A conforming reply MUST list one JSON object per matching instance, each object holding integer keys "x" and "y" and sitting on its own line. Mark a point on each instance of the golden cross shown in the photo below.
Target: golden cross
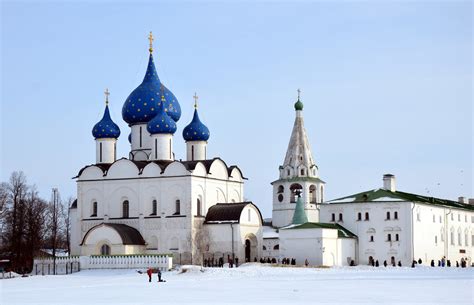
{"x": 195, "y": 100}
{"x": 299, "y": 92}
{"x": 107, "y": 93}
{"x": 150, "y": 38}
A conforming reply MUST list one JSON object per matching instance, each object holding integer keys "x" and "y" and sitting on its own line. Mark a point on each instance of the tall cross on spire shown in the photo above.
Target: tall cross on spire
{"x": 107, "y": 93}
{"x": 195, "y": 100}
{"x": 299, "y": 92}
{"x": 150, "y": 38}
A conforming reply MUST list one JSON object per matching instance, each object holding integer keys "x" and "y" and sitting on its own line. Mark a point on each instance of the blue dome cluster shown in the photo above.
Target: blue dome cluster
{"x": 142, "y": 104}
{"x": 196, "y": 130}
{"x": 106, "y": 128}
{"x": 162, "y": 123}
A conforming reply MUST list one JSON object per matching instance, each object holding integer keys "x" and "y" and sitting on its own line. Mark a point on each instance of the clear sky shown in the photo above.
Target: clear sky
{"x": 387, "y": 87}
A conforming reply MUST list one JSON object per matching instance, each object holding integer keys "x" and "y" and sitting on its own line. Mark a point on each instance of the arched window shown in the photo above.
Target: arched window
{"x": 281, "y": 189}
{"x": 359, "y": 216}
{"x": 396, "y": 237}
{"x": 389, "y": 237}
{"x": 452, "y": 237}
{"x": 264, "y": 248}
{"x": 340, "y": 217}
{"x": 94, "y": 209}
{"x": 388, "y": 215}
{"x": 198, "y": 207}
{"x": 333, "y": 217}
{"x": 395, "y": 215}
{"x": 296, "y": 190}
{"x": 302, "y": 172}
{"x": 322, "y": 193}
{"x": 154, "y": 207}
{"x": 276, "y": 247}
{"x": 366, "y": 215}
{"x": 125, "y": 209}
{"x": 177, "y": 207}
{"x": 105, "y": 250}
{"x": 371, "y": 238}
{"x": 312, "y": 193}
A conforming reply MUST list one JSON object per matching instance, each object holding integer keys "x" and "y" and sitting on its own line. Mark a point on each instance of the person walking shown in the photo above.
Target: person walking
{"x": 149, "y": 272}
{"x": 159, "y": 276}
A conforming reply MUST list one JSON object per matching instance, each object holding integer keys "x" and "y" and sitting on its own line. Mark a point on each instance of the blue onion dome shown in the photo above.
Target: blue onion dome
{"x": 106, "y": 128}
{"x": 196, "y": 130}
{"x": 162, "y": 123}
{"x": 141, "y": 104}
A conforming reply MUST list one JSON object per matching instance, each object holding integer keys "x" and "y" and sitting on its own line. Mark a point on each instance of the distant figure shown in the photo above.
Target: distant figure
{"x": 443, "y": 261}
{"x": 420, "y": 261}
{"x": 463, "y": 263}
{"x": 457, "y": 264}
{"x": 448, "y": 263}
{"x": 255, "y": 260}
{"x": 274, "y": 261}
{"x": 352, "y": 263}
{"x": 385, "y": 263}
{"x": 439, "y": 263}
{"x": 261, "y": 260}
{"x": 236, "y": 262}
{"x": 399, "y": 263}
{"x": 373, "y": 263}
{"x": 306, "y": 263}
{"x": 149, "y": 272}
{"x": 413, "y": 264}
{"x": 221, "y": 262}
{"x": 159, "y": 275}
{"x": 376, "y": 263}
{"x": 432, "y": 263}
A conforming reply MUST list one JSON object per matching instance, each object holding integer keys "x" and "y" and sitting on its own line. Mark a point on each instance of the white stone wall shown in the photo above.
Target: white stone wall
{"x": 270, "y": 251}
{"x": 377, "y": 226}
{"x": 321, "y": 247}
{"x": 162, "y": 147}
{"x": 442, "y": 231}
{"x": 105, "y": 151}
{"x": 196, "y": 150}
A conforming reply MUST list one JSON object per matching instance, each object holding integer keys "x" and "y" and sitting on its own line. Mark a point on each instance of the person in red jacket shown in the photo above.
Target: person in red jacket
{"x": 149, "y": 272}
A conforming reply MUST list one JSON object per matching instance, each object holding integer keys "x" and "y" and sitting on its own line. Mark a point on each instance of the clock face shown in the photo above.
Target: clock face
{"x": 280, "y": 197}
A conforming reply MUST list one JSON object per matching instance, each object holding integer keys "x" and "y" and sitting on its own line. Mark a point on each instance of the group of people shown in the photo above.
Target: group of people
{"x": 375, "y": 263}
{"x": 443, "y": 262}
{"x": 149, "y": 272}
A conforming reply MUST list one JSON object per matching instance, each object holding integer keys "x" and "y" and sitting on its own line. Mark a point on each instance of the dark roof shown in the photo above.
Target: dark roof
{"x": 189, "y": 165}
{"x": 74, "y": 204}
{"x": 341, "y": 231}
{"x": 383, "y": 195}
{"x": 129, "y": 235}
{"x": 227, "y": 212}
{"x": 297, "y": 179}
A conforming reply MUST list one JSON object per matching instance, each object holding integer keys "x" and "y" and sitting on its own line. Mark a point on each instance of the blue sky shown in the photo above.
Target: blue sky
{"x": 387, "y": 87}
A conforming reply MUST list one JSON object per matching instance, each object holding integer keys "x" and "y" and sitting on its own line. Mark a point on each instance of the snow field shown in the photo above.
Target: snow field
{"x": 248, "y": 284}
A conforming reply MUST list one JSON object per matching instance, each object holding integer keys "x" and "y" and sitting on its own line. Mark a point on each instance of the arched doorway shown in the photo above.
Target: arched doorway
{"x": 247, "y": 250}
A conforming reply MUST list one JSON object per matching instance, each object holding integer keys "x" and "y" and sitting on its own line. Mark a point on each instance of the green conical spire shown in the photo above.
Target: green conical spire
{"x": 300, "y": 215}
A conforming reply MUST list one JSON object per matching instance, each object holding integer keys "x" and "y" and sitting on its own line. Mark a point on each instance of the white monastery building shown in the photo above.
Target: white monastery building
{"x": 155, "y": 203}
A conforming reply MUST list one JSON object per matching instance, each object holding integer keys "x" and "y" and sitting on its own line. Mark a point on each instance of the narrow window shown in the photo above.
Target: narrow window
{"x": 388, "y": 215}
{"x": 389, "y": 237}
{"x": 198, "y": 207}
{"x": 333, "y": 217}
{"x": 100, "y": 152}
{"x": 288, "y": 172}
{"x": 472, "y": 240}
{"x": 366, "y": 215}
{"x": 436, "y": 239}
{"x": 371, "y": 238}
{"x": 105, "y": 250}
{"x": 156, "y": 149}
{"x": 459, "y": 239}
{"x": 452, "y": 216}
{"x": 205, "y": 152}
{"x": 452, "y": 238}
{"x": 192, "y": 152}
{"x": 459, "y": 217}
{"x": 94, "y": 209}
{"x": 264, "y": 248}
{"x": 465, "y": 218}
{"x": 248, "y": 214}
{"x": 322, "y": 194}
{"x": 312, "y": 194}
{"x": 395, "y": 215}
{"x": 434, "y": 218}
{"x": 418, "y": 216}
{"x": 115, "y": 151}
{"x": 302, "y": 172}
{"x": 125, "y": 209}
{"x": 140, "y": 136}
{"x": 396, "y": 237}
{"x": 466, "y": 240}
{"x": 359, "y": 216}
{"x": 340, "y": 216}
{"x": 440, "y": 219}
{"x": 170, "y": 150}
{"x": 154, "y": 207}
{"x": 177, "y": 207}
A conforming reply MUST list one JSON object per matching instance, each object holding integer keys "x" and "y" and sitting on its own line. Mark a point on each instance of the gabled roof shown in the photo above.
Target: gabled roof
{"x": 129, "y": 235}
{"x": 341, "y": 231}
{"x": 383, "y": 195}
{"x": 298, "y": 179}
{"x": 227, "y": 212}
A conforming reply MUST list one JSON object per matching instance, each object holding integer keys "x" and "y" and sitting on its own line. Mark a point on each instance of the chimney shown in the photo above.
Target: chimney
{"x": 462, "y": 199}
{"x": 471, "y": 201}
{"x": 389, "y": 182}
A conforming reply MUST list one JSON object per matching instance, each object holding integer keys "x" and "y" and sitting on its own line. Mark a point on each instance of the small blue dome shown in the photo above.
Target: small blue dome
{"x": 162, "y": 123}
{"x": 196, "y": 130}
{"x": 142, "y": 104}
{"x": 106, "y": 128}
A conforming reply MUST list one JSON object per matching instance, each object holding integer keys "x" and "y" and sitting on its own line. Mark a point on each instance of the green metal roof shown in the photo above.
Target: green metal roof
{"x": 383, "y": 195}
{"x": 299, "y": 217}
{"x": 298, "y": 179}
{"x": 342, "y": 232}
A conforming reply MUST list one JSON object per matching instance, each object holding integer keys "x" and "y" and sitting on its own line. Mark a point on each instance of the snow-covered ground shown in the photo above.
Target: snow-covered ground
{"x": 248, "y": 284}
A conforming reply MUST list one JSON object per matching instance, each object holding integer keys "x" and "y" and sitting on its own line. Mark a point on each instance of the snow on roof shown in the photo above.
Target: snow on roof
{"x": 270, "y": 232}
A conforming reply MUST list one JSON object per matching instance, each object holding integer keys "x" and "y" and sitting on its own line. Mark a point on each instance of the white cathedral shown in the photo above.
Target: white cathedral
{"x": 153, "y": 202}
